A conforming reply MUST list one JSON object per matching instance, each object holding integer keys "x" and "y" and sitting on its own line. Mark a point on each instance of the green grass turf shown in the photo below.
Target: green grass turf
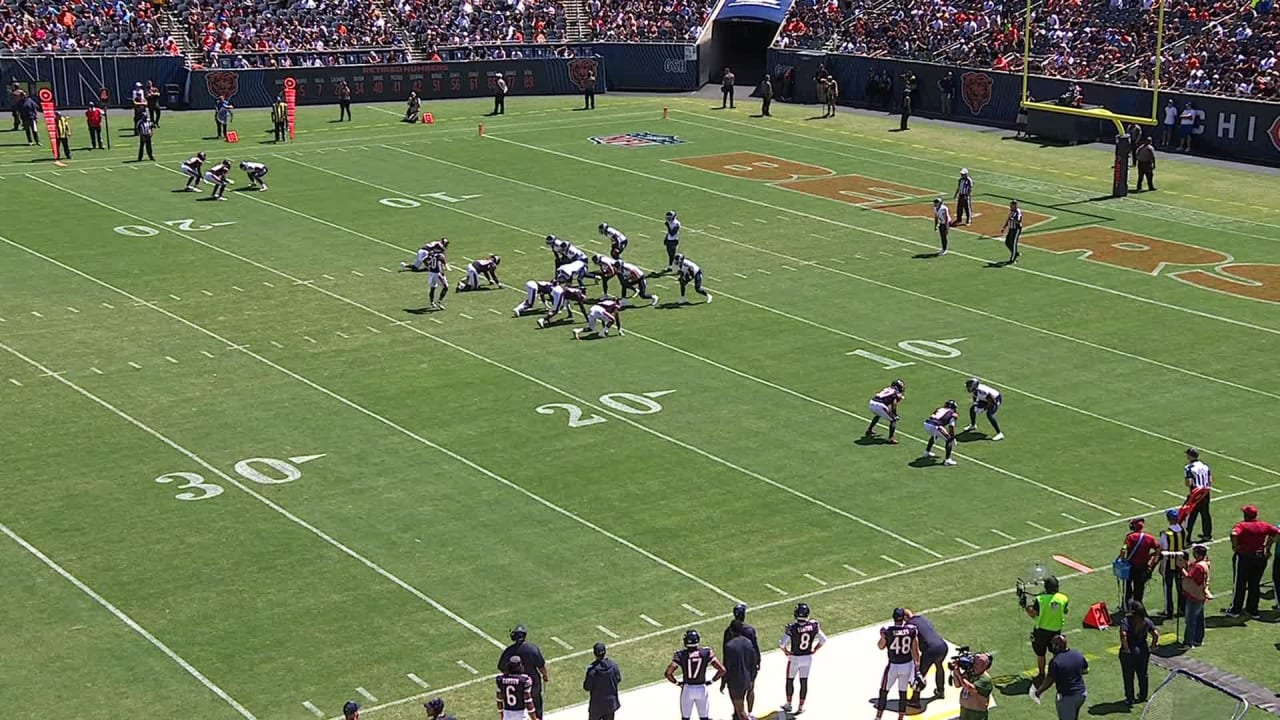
{"x": 446, "y": 509}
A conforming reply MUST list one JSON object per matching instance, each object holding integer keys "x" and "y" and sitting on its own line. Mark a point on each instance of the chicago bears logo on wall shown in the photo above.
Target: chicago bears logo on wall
{"x": 975, "y": 90}
{"x": 580, "y": 72}
{"x": 222, "y": 83}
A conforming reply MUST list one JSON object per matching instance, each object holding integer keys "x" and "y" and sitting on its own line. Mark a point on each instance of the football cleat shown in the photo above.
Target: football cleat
{"x": 691, "y": 638}
{"x": 948, "y": 461}
{"x": 892, "y": 441}
{"x": 708, "y": 299}
{"x": 998, "y": 436}
{"x": 801, "y": 611}
{"x": 542, "y": 323}
{"x": 684, "y": 301}
{"x": 928, "y": 455}
{"x": 970, "y": 428}
{"x": 655, "y": 301}
{"x": 577, "y": 333}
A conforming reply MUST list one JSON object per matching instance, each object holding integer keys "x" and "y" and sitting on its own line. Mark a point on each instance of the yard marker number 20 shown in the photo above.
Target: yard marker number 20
{"x": 630, "y": 403}
{"x": 263, "y": 471}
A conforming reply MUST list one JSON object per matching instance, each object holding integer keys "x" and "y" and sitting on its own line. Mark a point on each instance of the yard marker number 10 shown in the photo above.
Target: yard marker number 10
{"x": 263, "y": 471}
{"x": 940, "y": 349}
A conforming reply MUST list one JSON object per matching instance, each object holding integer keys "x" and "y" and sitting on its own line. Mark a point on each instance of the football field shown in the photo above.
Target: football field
{"x": 249, "y": 472}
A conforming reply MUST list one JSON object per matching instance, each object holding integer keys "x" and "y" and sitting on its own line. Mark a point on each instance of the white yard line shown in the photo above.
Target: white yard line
{"x": 854, "y": 570}
{"x": 776, "y": 589}
{"x": 1246, "y": 482}
{"x": 257, "y": 496}
{"x": 1038, "y": 526}
{"x": 1143, "y": 503}
{"x": 818, "y": 580}
{"x": 417, "y": 681}
{"x": 399, "y": 428}
{"x": 650, "y": 620}
{"x": 366, "y": 694}
{"x": 121, "y": 616}
{"x": 171, "y": 359}
{"x": 561, "y": 643}
{"x": 692, "y": 609}
{"x": 1073, "y": 518}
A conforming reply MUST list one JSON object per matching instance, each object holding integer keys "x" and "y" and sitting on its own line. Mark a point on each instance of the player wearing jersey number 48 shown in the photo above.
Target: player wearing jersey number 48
{"x": 801, "y": 639}
{"x": 884, "y": 406}
{"x": 692, "y": 661}
{"x": 987, "y": 399}
{"x": 941, "y": 425}
{"x": 901, "y": 642}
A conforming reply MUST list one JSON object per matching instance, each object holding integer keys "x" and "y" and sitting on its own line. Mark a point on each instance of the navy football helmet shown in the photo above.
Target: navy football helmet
{"x": 802, "y": 611}
{"x": 691, "y": 638}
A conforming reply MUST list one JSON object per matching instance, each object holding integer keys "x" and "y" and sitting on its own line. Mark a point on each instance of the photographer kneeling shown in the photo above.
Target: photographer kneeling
{"x": 969, "y": 673}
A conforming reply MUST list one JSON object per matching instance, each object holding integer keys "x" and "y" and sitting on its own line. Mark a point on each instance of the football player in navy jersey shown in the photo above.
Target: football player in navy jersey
{"x": 884, "y": 406}
{"x": 692, "y": 661}
{"x": 901, "y": 642}
{"x": 941, "y": 425}
{"x": 515, "y": 692}
{"x": 800, "y": 640}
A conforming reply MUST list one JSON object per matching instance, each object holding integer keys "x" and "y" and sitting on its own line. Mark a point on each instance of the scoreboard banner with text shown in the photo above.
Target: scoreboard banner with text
{"x": 384, "y": 83}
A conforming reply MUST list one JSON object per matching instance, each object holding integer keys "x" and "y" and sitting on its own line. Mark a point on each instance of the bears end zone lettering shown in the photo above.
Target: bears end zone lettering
{"x": 1108, "y": 246}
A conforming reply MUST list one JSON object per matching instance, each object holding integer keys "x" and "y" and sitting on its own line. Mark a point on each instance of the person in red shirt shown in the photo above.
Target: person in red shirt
{"x": 93, "y": 117}
{"x": 1251, "y": 539}
{"x": 1141, "y": 550}
{"x": 1195, "y": 592}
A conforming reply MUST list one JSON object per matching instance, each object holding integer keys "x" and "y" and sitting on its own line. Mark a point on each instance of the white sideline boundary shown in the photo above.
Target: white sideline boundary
{"x": 256, "y": 495}
{"x": 128, "y": 621}
{"x": 386, "y": 422}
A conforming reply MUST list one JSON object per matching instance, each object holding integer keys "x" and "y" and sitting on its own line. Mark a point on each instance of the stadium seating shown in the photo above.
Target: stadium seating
{"x": 445, "y": 23}
{"x": 90, "y": 26}
{"x": 648, "y": 20}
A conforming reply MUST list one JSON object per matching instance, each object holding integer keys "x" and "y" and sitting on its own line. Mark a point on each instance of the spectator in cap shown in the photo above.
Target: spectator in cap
{"x": 1195, "y": 593}
{"x": 601, "y": 684}
{"x": 435, "y": 709}
{"x": 351, "y": 711}
{"x": 1142, "y": 551}
{"x": 1251, "y": 539}
{"x": 1173, "y": 556}
{"x": 531, "y": 658}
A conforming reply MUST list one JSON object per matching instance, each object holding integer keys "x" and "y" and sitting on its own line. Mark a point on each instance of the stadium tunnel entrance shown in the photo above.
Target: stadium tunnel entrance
{"x": 743, "y": 45}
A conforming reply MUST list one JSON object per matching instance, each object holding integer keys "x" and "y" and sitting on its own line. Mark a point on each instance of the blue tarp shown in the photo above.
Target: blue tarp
{"x": 773, "y": 11}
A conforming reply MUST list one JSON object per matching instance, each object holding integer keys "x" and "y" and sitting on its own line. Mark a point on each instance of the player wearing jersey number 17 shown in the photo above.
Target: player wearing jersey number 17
{"x": 801, "y": 639}
{"x": 692, "y": 661}
{"x": 901, "y": 642}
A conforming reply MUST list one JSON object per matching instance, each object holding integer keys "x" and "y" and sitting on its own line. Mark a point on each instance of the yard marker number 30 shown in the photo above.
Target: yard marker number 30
{"x": 263, "y": 471}
{"x": 630, "y": 403}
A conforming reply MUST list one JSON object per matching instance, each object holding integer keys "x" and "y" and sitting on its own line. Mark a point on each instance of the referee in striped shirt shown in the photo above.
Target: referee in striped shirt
{"x": 964, "y": 191}
{"x": 1198, "y": 475}
{"x": 1012, "y": 231}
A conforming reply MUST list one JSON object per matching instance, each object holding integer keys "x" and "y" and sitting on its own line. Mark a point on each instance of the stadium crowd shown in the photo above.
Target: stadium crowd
{"x": 82, "y": 26}
{"x": 647, "y": 20}
{"x": 452, "y": 23}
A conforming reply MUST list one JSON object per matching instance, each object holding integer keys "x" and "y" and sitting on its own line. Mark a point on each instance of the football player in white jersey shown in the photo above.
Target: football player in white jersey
{"x": 193, "y": 168}
{"x": 606, "y": 268}
{"x": 561, "y": 297}
{"x": 256, "y": 171}
{"x": 534, "y": 290}
{"x": 571, "y": 272}
{"x": 985, "y": 398}
{"x": 633, "y": 278}
{"x": 617, "y": 241}
{"x": 688, "y": 271}
{"x": 672, "y": 239}
{"x": 608, "y": 313}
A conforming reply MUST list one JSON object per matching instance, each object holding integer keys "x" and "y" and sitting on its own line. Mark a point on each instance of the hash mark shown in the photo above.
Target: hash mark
{"x": 276, "y": 344}
{"x": 817, "y": 236}
{"x": 15, "y": 382}
{"x": 1143, "y": 503}
{"x": 495, "y": 312}
{"x": 309, "y": 339}
{"x": 714, "y": 227}
{"x": 463, "y": 664}
{"x": 171, "y": 359}
{"x": 762, "y": 222}
{"x": 1073, "y": 518}
{"x": 641, "y": 235}
{"x": 561, "y": 643}
{"x": 438, "y": 322}
{"x": 385, "y": 269}
{"x": 895, "y": 562}
{"x": 854, "y": 570}
{"x": 788, "y": 267}
{"x": 1246, "y": 482}
{"x": 744, "y": 277}
{"x": 108, "y": 306}
{"x": 650, "y": 620}
{"x": 95, "y": 371}
{"x": 608, "y": 632}
{"x": 33, "y": 312}
{"x": 134, "y": 365}
{"x": 1004, "y": 535}
{"x": 206, "y": 292}
{"x": 1038, "y": 526}
{"x": 175, "y": 297}
{"x": 782, "y": 217}
{"x": 776, "y": 589}
{"x": 326, "y": 277}
{"x": 73, "y": 310}
{"x": 366, "y": 694}
{"x": 837, "y": 260}
{"x": 465, "y": 316}
{"x": 735, "y": 222}
{"x": 693, "y": 609}
{"x": 206, "y": 353}
{"x": 766, "y": 272}
{"x": 237, "y": 289}
{"x": 314, "y": 710}
{"x": 373, "y": 329}
{"x": 264, "y": 282}
{"x": 343, "y": 335}
{"x": 417, "y": 681}
{"x": 357, "y": 273}
{"x": 966, "y": 543}
{"x": 818, "y": 580}
{"x": 521, "y": 252}
{"x": 1172, "y": 493}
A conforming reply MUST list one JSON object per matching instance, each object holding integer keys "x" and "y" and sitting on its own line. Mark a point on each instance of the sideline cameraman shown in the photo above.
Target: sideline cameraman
{"x": 1049, "y": 610}
{"x": 975, "y": 685}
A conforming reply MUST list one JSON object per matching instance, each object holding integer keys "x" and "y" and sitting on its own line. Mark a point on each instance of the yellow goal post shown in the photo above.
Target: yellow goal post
{"x": 1098, "y": 113}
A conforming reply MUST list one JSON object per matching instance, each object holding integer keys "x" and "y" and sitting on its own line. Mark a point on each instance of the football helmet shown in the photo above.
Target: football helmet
{"x": 202, "y": 156}
{"x": 434, "y": 707}
{"x": 671, "y": 215}
{"x": 679, "y": 258}
{"x": 740, "y": 611}
{"x": 243, "y": 163}
{"x": 551, "y": 240}
{"x": 691, "y": 638}
{"x": 937, "y": 202}
{"x": 950, "y": 405}
{"x": 519, "y": 633}
{"x": 898, "y": 385}
{"x": 444, "y": 242}
{"x": 802, "y": 611}
{"x": 971, "y": 384}
{"x": 496, "y": 259}
{"x": 899, "y": 615}
{"x": 604, "y": 228}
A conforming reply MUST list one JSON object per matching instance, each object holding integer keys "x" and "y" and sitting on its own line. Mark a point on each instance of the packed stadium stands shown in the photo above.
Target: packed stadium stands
{"x": 86, "y": 26}
{"x": 648, "y": 20}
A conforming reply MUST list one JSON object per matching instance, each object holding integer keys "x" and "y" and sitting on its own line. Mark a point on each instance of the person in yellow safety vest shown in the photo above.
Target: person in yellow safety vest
{"x": 64, "y": 135}
{"x": 280, "y": 119}
{"x": 1049, "y": 610}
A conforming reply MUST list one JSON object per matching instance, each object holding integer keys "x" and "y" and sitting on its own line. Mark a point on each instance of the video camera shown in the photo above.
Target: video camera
{"x": 1026, "y": 589}
{"x": 963, "y": 661}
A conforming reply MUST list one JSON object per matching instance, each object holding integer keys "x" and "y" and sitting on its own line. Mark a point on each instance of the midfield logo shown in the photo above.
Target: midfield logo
{"x": 636, "y": 139}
